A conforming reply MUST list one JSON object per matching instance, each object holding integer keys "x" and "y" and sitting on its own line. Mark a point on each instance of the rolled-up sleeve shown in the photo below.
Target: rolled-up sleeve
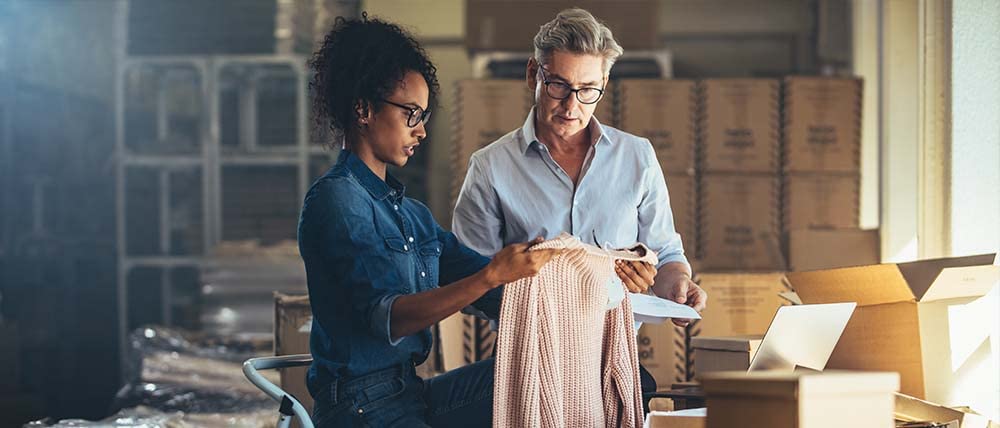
{"x": 477, "y": 220}
{"x": 656, "y": 219}
{"x": 458, "y": 262}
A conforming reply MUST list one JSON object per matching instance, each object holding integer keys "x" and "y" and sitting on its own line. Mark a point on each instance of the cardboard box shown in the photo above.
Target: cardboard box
{"x": 912, "y": 409}
{"x": 813, "y": 249}
{"x": 720, "y": 354}
{"x": 690, "y": 418}
{"x": 663, "y": 352}
{"x": 292, "y": 325}
{"x": 822, "y": 124}
{"x": 486, "y": 110}
{"x": 740, "y": 125}
{"x": 665, "y": 112}
{"x": 821, "y": 201}
{"x": 934, "y": 321}
{"x": 796, "y": 400}
{"x": 739, "y": 222}
{"x": 740, "y": 304}
{"x": 512, "y": 25}
{"x": 681, "y": 188}
{"x": 10, "y": 377}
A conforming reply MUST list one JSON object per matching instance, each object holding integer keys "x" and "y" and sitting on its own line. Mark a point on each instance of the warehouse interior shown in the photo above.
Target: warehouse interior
{"x": 154, "y": 157}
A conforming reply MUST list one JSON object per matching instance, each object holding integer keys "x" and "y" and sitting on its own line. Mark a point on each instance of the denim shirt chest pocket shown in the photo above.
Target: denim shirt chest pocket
{"x": 412, "y": 249}
{"x": 430, "y": 257}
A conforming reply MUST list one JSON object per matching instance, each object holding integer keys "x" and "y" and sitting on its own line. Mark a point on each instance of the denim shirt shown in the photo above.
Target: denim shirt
{"x": 364, "y": 245}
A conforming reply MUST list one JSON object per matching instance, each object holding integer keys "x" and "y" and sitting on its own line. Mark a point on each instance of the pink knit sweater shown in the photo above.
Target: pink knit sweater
{"x": 563, "y": 360}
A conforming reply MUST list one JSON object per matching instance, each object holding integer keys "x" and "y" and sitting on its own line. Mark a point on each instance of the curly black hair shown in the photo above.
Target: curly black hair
{"x": 363, "y": 60}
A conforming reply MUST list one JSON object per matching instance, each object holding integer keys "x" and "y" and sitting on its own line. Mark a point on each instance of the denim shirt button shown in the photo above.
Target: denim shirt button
{"x": 406, "y": 248}
{"x": 423, "y": 274}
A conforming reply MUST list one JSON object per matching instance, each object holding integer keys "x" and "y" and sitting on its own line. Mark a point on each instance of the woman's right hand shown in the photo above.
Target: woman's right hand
{"x": 518, "y": 261}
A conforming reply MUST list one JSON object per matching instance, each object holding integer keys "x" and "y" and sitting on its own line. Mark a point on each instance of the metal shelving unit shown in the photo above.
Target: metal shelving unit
{"x": 158, "y": 148}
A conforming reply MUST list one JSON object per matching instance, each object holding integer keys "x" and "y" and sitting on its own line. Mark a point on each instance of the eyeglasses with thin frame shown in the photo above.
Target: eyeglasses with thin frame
{"x": 561, "y": 91}
{"x": 417, "y": 114}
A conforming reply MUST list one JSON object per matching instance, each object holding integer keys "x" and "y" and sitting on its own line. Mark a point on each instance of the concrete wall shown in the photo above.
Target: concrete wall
{"x": 975, "y": 103}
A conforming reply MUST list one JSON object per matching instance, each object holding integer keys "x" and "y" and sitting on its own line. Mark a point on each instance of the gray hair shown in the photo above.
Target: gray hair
{"x": 577, "y": 31}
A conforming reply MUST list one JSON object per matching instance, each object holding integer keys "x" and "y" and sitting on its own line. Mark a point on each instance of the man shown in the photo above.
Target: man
{"x": 564, "y": 171}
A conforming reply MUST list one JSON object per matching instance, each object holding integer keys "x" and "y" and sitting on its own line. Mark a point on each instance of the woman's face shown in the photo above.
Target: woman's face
{"x": 387, "y": 138}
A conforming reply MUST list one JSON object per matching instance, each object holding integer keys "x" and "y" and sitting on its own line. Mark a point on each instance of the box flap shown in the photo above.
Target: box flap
{"x": 951, "y": 277}
{"x": 910, "y": 409}
{"x": 735, "y": 344}
{"x": 866, "y": 285}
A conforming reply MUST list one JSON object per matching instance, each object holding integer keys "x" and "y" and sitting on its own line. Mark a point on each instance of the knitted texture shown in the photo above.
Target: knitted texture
{"x": 560, "y": 353}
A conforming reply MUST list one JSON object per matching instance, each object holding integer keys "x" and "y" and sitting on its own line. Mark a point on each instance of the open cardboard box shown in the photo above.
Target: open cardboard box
{"x": 911, "y": 409}
{"x": 933, "y": 321}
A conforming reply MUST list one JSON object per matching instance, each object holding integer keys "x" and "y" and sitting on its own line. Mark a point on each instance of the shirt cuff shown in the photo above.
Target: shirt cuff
{"x": 675, "y": 258}
{"x": 381, "y": 319}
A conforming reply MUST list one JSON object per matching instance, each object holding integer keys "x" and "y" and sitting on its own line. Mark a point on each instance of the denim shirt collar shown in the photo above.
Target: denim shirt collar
{"x": 528, "y": 137}
{"x": 390, "y": 188}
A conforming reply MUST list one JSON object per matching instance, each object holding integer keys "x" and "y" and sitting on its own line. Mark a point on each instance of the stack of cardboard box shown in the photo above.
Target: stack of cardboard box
{"x": 739, "y": 163}
{"x": 821, "y": 129}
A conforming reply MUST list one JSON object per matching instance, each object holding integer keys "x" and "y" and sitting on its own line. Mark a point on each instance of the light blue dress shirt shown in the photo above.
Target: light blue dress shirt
{"x": 514, "y": 191}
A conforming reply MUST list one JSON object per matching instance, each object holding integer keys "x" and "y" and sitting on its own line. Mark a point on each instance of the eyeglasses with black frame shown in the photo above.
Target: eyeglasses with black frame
{"x": 561, "y": 90}
{"x": 417, "y": 114}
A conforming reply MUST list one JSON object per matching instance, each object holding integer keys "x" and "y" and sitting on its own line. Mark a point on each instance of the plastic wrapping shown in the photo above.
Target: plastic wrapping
{"x": 175, "y": 382}
{"x": 145, "y": 417}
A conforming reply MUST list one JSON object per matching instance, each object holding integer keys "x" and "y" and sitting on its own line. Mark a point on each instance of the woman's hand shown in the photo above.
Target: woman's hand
{"x": 518, "y": 261}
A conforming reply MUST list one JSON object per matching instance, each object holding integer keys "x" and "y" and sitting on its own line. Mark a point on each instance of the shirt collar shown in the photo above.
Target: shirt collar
{"x": 529, "y": 138}
{"x": 378, "y": 188}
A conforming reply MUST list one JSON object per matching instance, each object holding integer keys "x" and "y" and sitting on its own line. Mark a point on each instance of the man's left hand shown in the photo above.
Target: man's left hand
{"x": 683, "y": 290}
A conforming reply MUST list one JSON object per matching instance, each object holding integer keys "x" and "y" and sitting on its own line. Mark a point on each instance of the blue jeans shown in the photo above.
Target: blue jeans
{"x": 397, "y": 397}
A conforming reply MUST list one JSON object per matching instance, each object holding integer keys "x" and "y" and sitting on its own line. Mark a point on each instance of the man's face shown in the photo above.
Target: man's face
{"x": 565, "y": 117}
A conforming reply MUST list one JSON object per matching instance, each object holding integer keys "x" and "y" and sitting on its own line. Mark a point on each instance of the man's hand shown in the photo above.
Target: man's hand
{"x": 674, "y": 283}
{"x": 638, "y": 276}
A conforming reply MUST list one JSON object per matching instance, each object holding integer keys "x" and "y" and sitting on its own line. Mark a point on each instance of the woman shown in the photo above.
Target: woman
{"x": 375, "y": 258}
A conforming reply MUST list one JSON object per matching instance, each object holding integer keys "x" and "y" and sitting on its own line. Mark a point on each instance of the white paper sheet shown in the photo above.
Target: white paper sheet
{"x": 656, "y": 310}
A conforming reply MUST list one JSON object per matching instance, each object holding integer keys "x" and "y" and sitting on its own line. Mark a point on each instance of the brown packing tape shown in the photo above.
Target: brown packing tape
{"x": 740, "y": 125}
{"x": 821, "y": 124}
